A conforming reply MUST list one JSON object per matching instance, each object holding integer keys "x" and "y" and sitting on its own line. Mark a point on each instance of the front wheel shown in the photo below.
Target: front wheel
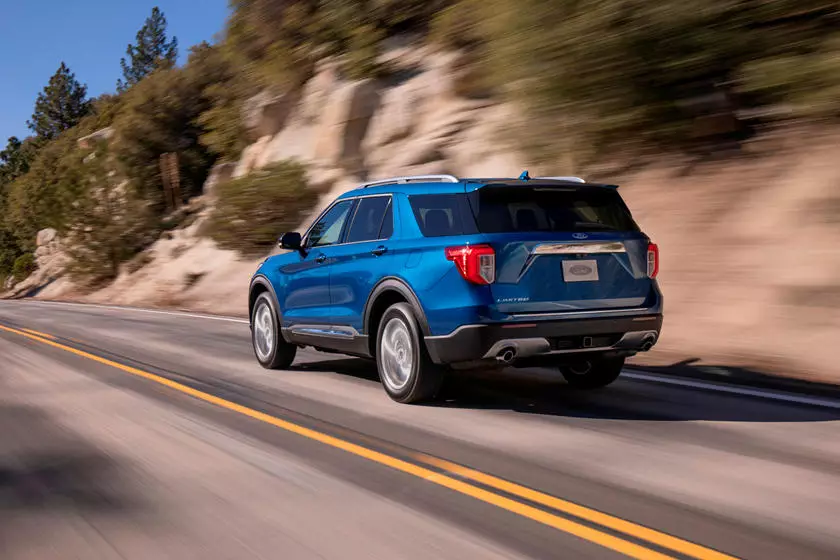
{"x": 271, "y": 350}
{"x": 594, "y": 373}
{"x": 407, "y": 373}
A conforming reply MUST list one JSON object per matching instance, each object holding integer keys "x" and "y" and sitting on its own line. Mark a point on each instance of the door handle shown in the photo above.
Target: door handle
{"x": 379, "y": 250}
{"x": 320, "y": 258}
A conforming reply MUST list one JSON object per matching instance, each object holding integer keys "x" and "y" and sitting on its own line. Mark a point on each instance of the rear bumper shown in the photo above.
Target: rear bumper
{"x": 545, "y": 341}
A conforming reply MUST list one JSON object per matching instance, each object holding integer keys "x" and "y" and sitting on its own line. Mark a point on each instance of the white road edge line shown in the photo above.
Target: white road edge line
{"x": 141, "y": 310}
{"x": 772, "y": 395}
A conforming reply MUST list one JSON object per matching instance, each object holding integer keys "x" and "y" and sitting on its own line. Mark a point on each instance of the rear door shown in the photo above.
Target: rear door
{"x": 366, "y": 256}
{"x": 562, "y": 248}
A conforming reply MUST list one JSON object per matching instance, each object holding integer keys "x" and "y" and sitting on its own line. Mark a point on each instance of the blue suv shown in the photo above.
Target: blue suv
{"x": 431, "y": 273}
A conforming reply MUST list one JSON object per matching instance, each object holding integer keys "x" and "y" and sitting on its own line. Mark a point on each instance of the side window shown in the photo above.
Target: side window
{"x": 368, "y": 220}
{"x": 442, "y": 214}
{"x": 387, "y": 229}
{"x": 327, "y": 230}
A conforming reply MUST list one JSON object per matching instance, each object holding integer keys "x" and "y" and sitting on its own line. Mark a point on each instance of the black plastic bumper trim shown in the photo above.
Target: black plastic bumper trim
{"x": 471, "y": 342}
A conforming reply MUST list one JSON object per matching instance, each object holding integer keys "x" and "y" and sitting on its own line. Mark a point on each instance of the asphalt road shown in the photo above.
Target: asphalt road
{"x": 136, "y": 434}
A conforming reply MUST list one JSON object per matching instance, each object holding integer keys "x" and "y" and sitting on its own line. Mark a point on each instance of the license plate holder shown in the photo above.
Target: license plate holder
{"x": 580, "y": 270}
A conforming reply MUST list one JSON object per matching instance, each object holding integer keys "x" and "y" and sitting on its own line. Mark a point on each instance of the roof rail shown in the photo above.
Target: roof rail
{"x": 570, "y": 179}
{"x": 412, "y": 179}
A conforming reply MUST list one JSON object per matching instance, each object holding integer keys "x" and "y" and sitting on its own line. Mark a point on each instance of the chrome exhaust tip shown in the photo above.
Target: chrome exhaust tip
{"x": 648, "y": 342}
{"x": 506, "y": 355}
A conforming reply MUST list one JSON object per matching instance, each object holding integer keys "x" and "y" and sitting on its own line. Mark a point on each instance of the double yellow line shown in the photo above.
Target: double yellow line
{"x": 449, "y": 475}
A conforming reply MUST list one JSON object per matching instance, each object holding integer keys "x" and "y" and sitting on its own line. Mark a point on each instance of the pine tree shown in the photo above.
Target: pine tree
{"x": 150, "y": 52}
{"x": 60, "y": 106}
{"x": 15, "y": 159}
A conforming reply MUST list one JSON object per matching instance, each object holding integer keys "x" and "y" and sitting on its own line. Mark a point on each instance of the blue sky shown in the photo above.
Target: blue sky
{"x": 90, "y": 36}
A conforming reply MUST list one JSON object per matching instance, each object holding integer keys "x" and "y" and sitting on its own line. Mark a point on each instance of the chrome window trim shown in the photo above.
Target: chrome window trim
{"x": 305, "y": 236}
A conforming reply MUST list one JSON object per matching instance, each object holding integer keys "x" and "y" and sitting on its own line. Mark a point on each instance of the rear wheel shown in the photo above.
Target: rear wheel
{"x": 407, "y": 373}
{"x": 594, "y": 373}
{"x": 271, "y": 350}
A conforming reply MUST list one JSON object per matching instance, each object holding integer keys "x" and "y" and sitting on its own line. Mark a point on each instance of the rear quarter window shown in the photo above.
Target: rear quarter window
{"x": 440, "y": 215}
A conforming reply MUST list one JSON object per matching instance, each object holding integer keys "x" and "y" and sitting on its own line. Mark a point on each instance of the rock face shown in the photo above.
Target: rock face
{"x": 317, "y": 90}
{"x": 399, "y": 114}
{"x": 414, "y": 120}
{"x": 265, "y": 114}
{"x": 344, "y": 123}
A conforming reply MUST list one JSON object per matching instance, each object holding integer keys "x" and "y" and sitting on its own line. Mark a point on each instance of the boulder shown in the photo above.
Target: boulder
{"x": 265, "y": 114}
{"x": 45, "y": 236}
{"x": 220, "y": 173}
{"x": 50, "y": 263}
{"x": 344, "y": 123}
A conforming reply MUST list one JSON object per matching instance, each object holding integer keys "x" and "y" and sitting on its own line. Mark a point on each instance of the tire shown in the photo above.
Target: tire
{"x": 593, "y": 374}
{"x": 405, "y": 369}
{"x": 271, "y": 350}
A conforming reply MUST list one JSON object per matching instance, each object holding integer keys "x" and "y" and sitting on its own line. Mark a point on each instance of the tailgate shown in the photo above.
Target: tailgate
{"x": 567, "y": 248}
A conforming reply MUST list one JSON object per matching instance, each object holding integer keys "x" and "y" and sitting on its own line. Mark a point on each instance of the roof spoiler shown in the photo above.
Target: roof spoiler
{"x": 570, "y": 179}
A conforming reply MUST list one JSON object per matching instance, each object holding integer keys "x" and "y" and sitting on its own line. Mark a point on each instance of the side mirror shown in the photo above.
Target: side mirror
{"x": 291, "y": 240}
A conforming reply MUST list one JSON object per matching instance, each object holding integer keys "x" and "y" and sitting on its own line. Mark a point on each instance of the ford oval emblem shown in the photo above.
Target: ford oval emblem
{"x": 580, "y": 235}
{"x": 580, "y": 270}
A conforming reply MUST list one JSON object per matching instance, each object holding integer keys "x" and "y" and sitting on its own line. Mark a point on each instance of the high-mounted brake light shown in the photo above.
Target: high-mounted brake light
{"x": 476, "y": 263}
{"x": 652, "y": 260}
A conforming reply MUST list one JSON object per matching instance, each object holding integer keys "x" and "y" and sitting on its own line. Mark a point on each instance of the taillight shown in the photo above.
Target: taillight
{"x": 652, "y": 260}
{"x": 476, "y": 263}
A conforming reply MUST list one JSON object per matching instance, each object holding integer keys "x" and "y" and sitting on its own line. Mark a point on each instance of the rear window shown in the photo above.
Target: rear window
{"x": 533, "y": 209}
{"x": 440, "y": 215}
{"x": 369, "y": 220}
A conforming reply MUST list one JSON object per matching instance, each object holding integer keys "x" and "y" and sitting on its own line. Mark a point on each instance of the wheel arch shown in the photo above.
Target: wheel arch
{"x": 260, "y": 284}
{"x": 387, "y": 292}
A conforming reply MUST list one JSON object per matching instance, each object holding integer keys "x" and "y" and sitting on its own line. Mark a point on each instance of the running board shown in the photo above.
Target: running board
{"x": 334, "y": 338}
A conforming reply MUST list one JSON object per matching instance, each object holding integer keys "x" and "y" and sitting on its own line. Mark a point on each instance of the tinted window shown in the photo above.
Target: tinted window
{"x": 442, "y": 214}
{"x": 328, "y": 229}
{"x": 387, "y": 229}
{"x": 508, "y": 209}
{"x": 367, "y": 222}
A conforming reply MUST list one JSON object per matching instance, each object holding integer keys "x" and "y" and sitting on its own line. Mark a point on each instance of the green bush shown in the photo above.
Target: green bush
{"x": 23, "y": 267}
{"x": 253, "y": 211}
{"x": 9, "y": 252}
{"x": 109, "y": 224}
{"x": 44, "y": 196}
